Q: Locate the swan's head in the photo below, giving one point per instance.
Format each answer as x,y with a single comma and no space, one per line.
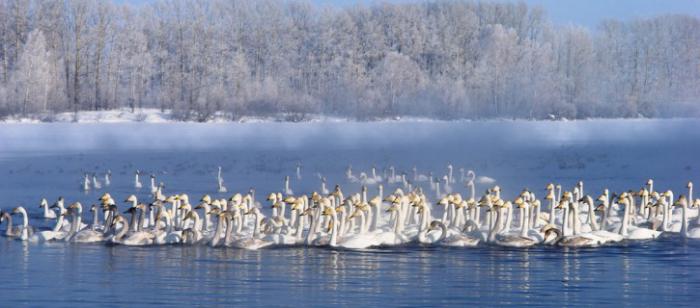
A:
316,197
682,201
290,200
93,208
296,206
550,186
305,212
444,201
131,199
456,198
496,189
696,203
105,197
214,211
253,211
19,210
271,197
435,225
485,201
216,204
690,184
185,198
76,206
236,198
376,201
328,211
602,198
118,219
562,203
276,205
519,202
206,199
390,198
550,195
392,208
43,203
193,215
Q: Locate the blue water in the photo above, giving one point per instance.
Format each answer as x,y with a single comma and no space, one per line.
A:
48,161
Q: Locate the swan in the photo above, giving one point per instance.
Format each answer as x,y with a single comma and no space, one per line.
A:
349,176
392,177
220,181
396,237
575,239
253,242
10,231
324,189
90,235
108,178
167,236
511,239
298,170
137,181
138,237
48,213
632,232
95,182
685,231
360,240
287,190
24,231
454,240
154,188
85,185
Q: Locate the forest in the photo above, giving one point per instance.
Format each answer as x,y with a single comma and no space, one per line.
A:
436,59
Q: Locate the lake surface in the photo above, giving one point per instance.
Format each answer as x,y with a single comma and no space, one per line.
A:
48,160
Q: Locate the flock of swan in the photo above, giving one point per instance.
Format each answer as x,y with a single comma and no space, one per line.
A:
360,220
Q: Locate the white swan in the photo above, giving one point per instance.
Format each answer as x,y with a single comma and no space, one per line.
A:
685,231
48,213
454,240
253,242
137,181
220,182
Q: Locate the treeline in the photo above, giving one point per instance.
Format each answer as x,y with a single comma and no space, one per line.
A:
441,59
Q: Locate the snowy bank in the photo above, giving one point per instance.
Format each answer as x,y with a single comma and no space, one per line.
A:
154,115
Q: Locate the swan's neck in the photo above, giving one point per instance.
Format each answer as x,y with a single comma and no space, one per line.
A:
95,219
217,233
591,218
46,210
443,232
565,221
311,231
684,221
8,230
625,220
334,231
257,224
122,232
526,221
509,218
492,230
141,220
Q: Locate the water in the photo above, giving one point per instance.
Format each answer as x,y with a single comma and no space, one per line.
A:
48,161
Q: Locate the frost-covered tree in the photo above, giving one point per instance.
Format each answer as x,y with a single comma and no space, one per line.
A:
449,59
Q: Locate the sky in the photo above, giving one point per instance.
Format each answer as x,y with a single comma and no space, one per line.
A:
588,13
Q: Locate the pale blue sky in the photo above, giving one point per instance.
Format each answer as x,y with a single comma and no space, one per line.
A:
582,12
